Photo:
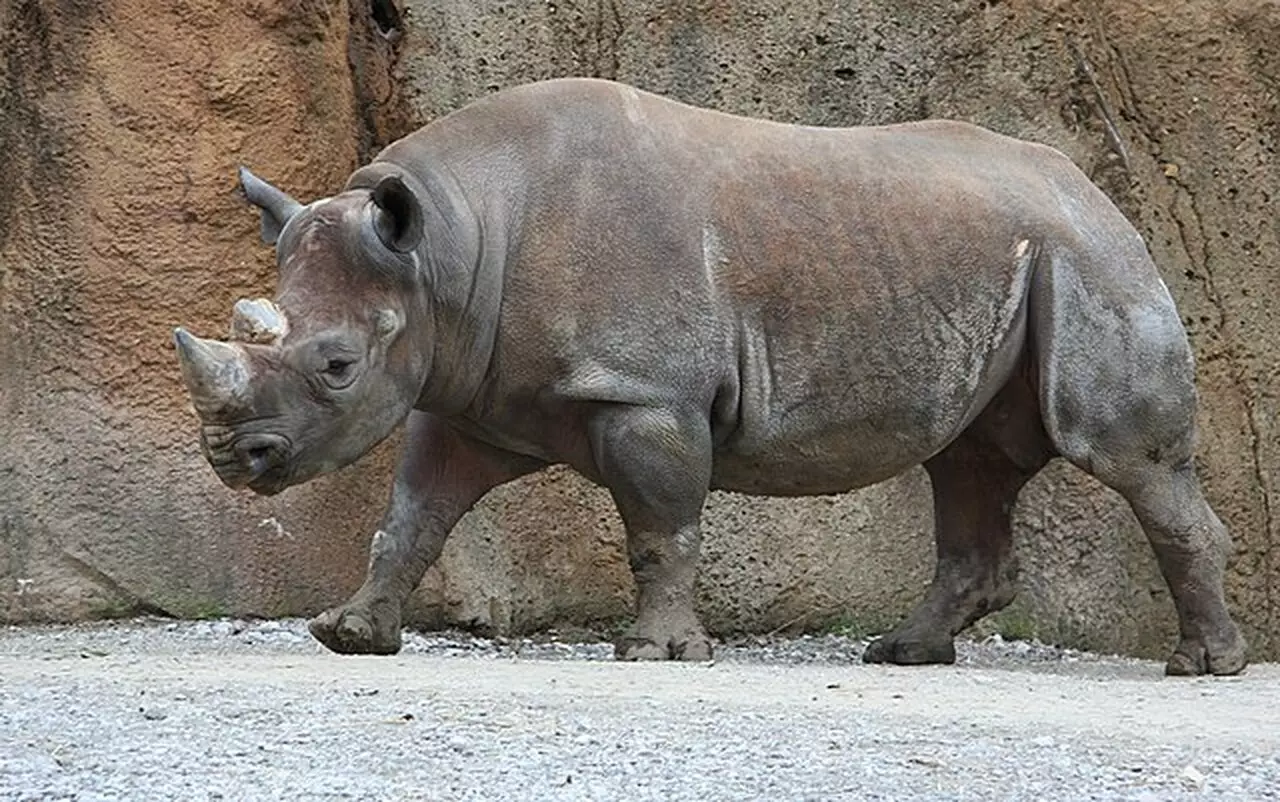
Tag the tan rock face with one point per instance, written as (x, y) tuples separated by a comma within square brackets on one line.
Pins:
[(123, 124), (121, 129)]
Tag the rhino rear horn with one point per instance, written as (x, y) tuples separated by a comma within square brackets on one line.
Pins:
[(398, 215), (277, 207), (258, 321)]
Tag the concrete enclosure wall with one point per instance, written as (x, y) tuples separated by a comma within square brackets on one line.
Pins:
[(121, 128)]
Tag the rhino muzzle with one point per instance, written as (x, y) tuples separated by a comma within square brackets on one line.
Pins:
[(216, 374), (258, 461)]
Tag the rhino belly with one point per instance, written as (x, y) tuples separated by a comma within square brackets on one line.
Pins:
[(810, 458), (813, 417)]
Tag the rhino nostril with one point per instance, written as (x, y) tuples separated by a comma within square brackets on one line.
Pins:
[(259, 460), (258, 454)]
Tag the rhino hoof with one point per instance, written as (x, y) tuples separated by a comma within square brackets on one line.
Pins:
[(638, 649), (354, 631), (1192, 659), (903, 652), (693, 649)]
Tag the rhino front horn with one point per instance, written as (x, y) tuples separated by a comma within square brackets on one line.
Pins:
[(215, 373)]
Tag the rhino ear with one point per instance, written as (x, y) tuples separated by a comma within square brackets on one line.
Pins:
[(397, 215), (276, 206)]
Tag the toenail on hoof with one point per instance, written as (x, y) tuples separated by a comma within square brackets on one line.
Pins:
[(318, 626), (694, 651), (909, 652), (876, 652), (1229, 664), (630, 649), (1183, 665), (354, 630)]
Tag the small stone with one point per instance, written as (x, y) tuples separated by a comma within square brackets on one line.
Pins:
[(460, 744), (1193, 777), (154, 713)]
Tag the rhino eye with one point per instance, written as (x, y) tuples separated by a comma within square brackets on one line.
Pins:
[(337, 372)]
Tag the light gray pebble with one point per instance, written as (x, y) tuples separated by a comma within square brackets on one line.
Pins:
[(460, 744)]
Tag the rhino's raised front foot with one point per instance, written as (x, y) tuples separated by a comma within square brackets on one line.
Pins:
[(909, 651), (356, 629), (693, 648), (1193, 658)]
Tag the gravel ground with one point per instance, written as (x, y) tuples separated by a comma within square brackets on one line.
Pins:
[(238, 710)]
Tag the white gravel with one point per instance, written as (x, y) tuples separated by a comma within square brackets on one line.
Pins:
[(239, 710)]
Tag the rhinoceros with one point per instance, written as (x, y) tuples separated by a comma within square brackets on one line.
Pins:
[(672, 300)]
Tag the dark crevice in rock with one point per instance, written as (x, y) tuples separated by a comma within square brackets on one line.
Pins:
[(383, 111), (609, 29), (130, 603), (387, 17)]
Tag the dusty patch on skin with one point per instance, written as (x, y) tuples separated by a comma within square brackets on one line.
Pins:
[(687, 542), (378, 546), (713, 257), (1017, 292), (630, 102)]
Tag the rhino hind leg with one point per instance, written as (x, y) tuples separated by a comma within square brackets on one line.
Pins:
[(657, 466), (1191, 546), (975, 481), (1118, 401)]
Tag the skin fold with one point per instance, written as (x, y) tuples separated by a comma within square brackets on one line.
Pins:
[(672, 300)]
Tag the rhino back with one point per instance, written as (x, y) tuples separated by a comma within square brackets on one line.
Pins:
[(841, 301)]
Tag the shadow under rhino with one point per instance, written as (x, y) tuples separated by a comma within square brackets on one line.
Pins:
[(671, 300)]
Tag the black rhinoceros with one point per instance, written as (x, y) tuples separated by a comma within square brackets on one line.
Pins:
[(673, 300)]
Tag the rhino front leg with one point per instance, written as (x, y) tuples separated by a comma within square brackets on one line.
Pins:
[(657, 465), (442, 473)]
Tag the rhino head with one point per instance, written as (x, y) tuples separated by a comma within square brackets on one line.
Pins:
[(311, 381)]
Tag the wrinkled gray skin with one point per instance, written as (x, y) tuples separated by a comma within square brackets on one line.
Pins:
[(671, 300)]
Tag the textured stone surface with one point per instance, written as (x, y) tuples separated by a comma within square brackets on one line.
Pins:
[(121, 126)]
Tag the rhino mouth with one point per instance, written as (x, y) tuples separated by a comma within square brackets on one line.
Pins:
[(269, 484), (258, 461)]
